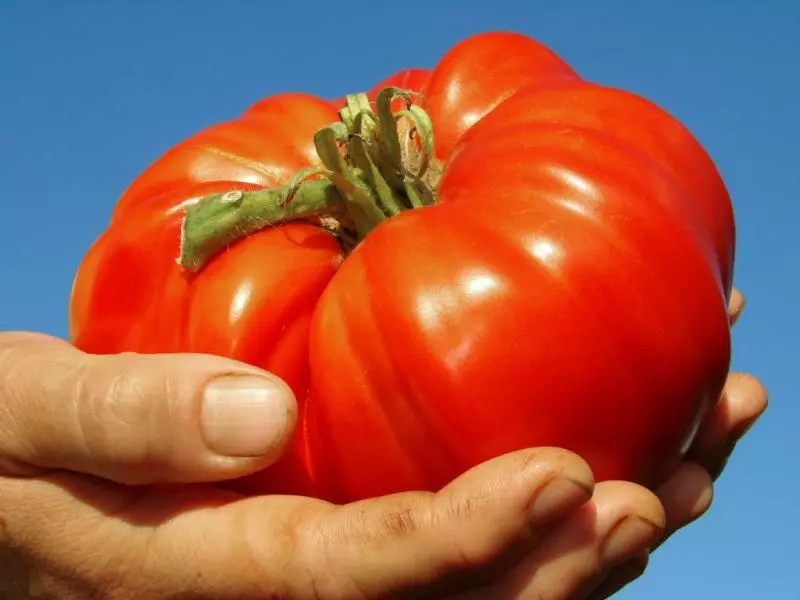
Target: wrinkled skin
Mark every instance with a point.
(568, 289)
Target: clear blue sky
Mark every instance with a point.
(91, 91)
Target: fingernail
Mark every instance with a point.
(243, 416)
(630, 536)
(557, 498)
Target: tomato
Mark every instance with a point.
(516, 257)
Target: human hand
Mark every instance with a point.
(91, 447)
(688, 493)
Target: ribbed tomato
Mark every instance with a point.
(507, 257)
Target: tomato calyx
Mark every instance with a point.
(375, 165)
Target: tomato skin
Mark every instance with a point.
(570, 320)
(568, 288)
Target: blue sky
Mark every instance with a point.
(91, 91)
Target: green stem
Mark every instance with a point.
(216, 221)
(390, 140)
(415, 198)
(423, 127)
(354, 105)
(326, 143)
(361, 152)
(366, 212)
(370, 176)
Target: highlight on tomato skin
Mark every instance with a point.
(461, 261)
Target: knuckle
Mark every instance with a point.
(462, 507)
(118, 410)
(326, 543)
(398, 523)
(404, 516)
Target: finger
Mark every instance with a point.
(623, 575)
(137, 418)
(622, 521)
(433, 543)
(686, 495)
(461, 536)
(736, 305)
(743, 402)
(193, 541)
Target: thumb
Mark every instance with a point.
(137, 419)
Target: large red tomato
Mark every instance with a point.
(516, 257)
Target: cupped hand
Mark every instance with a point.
(102, 464)
(688, 493)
